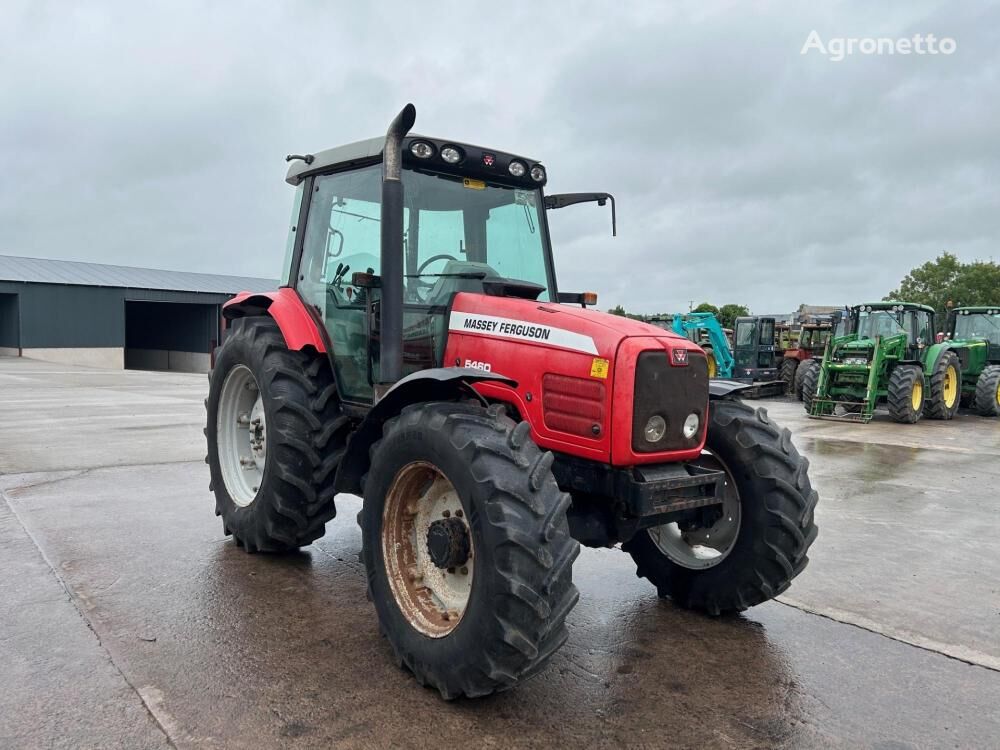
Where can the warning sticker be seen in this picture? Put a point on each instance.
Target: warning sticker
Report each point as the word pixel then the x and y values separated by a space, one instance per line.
pixel 473 184
pixel 599 368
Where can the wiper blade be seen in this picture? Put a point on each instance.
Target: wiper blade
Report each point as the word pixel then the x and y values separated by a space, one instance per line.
pixel 461 275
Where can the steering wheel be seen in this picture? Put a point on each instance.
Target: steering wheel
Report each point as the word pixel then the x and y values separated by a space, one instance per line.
pixel 421 285
pixel 432 259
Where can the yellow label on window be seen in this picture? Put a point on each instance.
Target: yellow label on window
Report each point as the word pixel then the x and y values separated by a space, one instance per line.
pixel 599 368
pixel 474 184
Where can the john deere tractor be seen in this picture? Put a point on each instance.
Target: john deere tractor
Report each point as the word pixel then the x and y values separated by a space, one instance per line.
pixel 419 354
pixel 890 357
pixel 975 331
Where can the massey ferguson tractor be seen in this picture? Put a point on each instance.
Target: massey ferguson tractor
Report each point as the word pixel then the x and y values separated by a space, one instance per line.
pixel 419 354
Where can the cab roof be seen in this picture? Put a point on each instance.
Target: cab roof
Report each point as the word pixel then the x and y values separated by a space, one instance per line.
pixel 893 303
pixel 477 160
pixel 988 309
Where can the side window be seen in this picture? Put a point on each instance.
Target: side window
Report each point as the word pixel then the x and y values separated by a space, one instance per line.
pixel 286 269
pixel 923 327
pixel 766 332
pixel 343 236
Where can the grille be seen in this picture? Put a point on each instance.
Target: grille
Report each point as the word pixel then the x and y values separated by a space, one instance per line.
pixel 671 392
pixel 573 405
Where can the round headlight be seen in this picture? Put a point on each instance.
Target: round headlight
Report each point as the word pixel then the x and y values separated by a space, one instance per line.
pixel 421 150
pixel 537 173
pixel 655 429
pixel 517 168
pixel 451 154
pixel 691 425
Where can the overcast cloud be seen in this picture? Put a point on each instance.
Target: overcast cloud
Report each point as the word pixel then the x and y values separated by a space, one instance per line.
pixel 153 134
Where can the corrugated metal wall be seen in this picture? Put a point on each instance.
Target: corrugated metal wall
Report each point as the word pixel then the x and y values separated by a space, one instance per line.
pixel 63 316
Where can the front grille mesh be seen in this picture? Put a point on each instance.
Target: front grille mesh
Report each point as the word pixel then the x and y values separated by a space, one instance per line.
pixel 671 392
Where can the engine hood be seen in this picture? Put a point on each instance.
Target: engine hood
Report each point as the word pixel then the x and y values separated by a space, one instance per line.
pixel 552 324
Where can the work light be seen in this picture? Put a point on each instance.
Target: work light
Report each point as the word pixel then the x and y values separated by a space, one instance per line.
pixel 517 168
pixel 422 149
pixel 451 154
pixel 537 173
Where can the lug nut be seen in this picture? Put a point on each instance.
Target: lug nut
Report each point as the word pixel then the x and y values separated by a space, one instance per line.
pixel 464 571
pixel 446 514
pixel 458 513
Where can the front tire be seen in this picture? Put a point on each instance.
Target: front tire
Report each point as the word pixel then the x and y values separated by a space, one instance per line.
pixel 275 434
pixel 945 387
pixel 906 394
pixel 760 543
pixel 988 392
pixel 810 381
pixel 789 367
pixel 504 522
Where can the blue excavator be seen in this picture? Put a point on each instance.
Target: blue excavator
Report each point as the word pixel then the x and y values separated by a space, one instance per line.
pixel 699 326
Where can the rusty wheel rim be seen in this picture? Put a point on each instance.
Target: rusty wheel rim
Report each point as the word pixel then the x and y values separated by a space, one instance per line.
pixel 433 599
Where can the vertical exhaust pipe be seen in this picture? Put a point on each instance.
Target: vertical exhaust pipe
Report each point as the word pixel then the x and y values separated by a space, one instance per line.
pixel 391 330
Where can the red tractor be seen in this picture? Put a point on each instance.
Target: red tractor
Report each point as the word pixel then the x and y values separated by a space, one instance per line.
pixel 811 343
pixel 419 354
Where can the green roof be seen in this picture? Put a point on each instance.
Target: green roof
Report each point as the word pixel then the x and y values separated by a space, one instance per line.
pixel 893 303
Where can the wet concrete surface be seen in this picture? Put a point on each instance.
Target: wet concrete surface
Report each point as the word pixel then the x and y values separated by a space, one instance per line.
pixel 130 621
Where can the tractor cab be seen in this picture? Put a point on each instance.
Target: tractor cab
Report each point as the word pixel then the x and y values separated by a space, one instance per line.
pixel 982 323
pixel 473 221
pixel 756 348
pixel 912 324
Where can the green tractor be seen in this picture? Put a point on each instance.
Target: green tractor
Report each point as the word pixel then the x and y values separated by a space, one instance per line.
pixel 890 357
pixel 976 331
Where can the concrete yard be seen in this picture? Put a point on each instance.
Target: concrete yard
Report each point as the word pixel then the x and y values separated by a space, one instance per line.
pixel 130 621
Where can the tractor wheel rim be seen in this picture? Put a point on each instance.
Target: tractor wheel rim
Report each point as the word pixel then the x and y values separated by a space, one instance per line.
pixel 950 386
pixel 433 599
pixel 700 548
pixel 241 436
pixel 917 395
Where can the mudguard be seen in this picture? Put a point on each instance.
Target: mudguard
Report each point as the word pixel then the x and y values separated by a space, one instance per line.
pixel 289 312
pixel 719 388
pixel 932 355
pixel 436 384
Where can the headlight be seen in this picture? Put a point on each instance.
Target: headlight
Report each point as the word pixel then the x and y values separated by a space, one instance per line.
pixel 451 154
pixel 422 149
pixel 655 429
pixel 537 173
pixel 691 425
pixel 517 168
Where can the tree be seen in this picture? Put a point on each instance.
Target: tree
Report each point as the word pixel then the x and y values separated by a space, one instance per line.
pixel 704 307
pixel 729 313
pixel 618 310
pixel 946 282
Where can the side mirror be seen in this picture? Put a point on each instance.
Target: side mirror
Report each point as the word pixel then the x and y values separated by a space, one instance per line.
pixel 561 200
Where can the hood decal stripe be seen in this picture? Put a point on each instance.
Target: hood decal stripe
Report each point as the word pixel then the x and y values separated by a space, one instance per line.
pixel 522 330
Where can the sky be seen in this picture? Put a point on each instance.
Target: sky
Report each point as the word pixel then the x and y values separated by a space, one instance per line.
pixel 154 134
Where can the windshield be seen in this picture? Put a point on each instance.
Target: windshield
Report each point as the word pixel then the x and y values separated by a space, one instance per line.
pixel 467 228
pixel 978 326
pixel 878 323
pixel 745 333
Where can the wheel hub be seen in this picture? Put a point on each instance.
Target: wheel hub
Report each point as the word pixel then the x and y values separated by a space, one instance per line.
pixel 241 436
pixel 448 543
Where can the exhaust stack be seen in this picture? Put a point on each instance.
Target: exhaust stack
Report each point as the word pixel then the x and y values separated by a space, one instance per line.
pixel 391 333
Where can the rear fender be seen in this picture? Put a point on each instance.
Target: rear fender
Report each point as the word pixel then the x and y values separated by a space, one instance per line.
pixel 436 384
pixel 297 326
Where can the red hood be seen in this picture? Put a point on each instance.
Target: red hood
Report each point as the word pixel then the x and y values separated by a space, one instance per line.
pixel 552 324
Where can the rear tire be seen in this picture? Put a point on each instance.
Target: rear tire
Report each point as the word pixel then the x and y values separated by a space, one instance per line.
pixel 945 387
pixel 775 525
pixel 788 369
pixel 906 394
pixel 290 499
pixel 988 392
pixel 513 613
pixel 810 380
